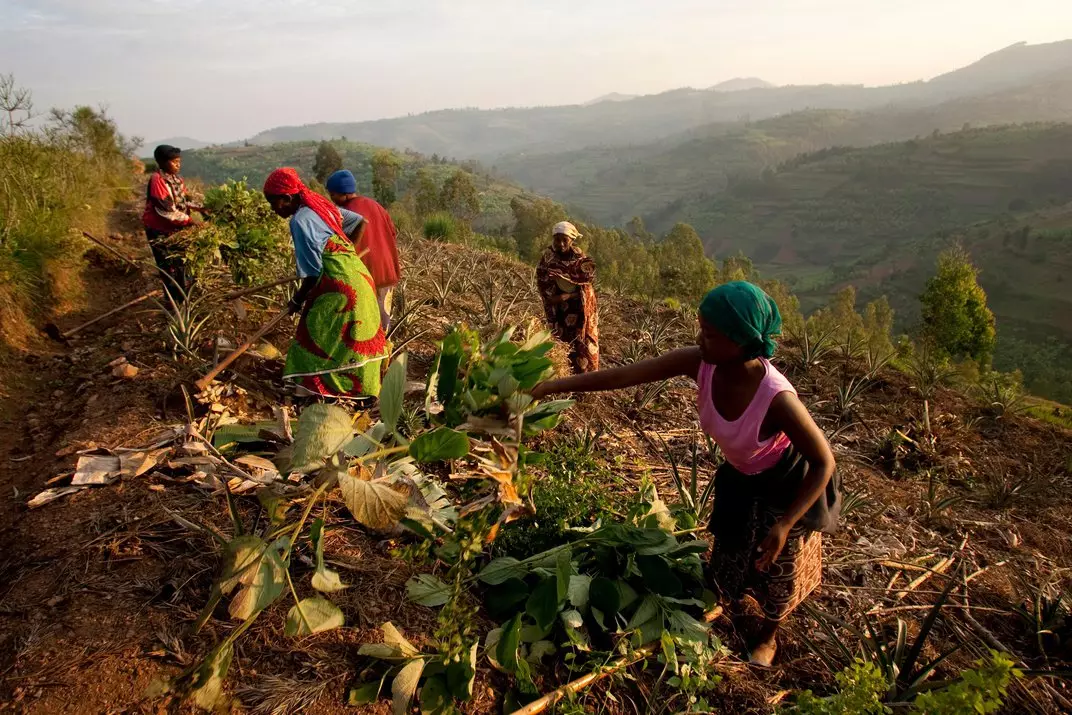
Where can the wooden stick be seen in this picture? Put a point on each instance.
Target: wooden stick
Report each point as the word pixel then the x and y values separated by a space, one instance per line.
pixel 113 311
pixel 247 291
pixel 939 568
pixel 204 381
pixel 576 686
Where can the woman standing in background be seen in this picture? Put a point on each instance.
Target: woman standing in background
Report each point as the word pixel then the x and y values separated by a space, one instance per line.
pixel 376 244
pixel 167 211
pixel 340 346
pixel 565 278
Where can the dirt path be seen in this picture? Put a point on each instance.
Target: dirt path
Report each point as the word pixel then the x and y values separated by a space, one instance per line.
pixel 55 598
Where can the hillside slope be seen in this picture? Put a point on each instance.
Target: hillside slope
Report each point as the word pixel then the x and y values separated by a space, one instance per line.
pixel 876 217
pixel 487 134
pixel 614 183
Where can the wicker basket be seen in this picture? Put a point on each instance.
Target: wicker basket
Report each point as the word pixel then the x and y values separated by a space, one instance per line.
pixel 809 568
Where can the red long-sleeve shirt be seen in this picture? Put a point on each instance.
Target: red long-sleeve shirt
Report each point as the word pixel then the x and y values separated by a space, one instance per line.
pixel 378 240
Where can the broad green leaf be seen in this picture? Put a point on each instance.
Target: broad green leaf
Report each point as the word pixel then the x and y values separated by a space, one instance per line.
pixel 563 572
pixel 262 587
pixel 450 358
pixel 460 676
pixel 427 590
pixel 313 615
pixel 532 633
pixel 366 693
pixel 242 557
pixel 326 580
pixel 274 505
pixel 435 700
pixel 394 638
pixel 322 431
pixel 491 642
pixel 438 445
pixel 669 651
pixel 366 442
pixel 543 604
pixel 543 410
pixel 506 647
pixel 572 619
pixel 392 391
pixel 658 576
pixel 373 503
pixel 206 684
pixel 685 626
pixel 538 650
pixel 502 599
pixel 405 685
pixel 501 569
pixel 698 546
pixel 605 595
pixel 507 386
pixel 381 651
pixel 578 591
pixel 648 609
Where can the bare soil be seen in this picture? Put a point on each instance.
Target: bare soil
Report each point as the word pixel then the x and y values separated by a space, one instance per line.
pixel 98 587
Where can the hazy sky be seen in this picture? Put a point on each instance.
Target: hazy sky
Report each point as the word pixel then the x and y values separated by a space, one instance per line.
pixel 224 69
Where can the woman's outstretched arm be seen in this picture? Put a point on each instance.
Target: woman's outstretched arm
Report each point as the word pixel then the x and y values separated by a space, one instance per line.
pixel 676 363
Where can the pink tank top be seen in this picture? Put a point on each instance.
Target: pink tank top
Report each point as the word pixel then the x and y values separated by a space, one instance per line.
pixel 739 439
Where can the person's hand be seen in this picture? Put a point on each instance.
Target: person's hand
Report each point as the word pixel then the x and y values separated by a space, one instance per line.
pixel 294 306
pixel 772 546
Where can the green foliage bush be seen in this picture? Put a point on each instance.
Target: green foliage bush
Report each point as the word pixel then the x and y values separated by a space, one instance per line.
pixel 243 232
pixel 955 315
pixel 571 491
pixel 861 687
pixel 66 174
pixel 440 227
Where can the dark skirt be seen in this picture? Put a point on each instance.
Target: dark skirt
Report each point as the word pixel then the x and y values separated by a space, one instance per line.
pixel 746 507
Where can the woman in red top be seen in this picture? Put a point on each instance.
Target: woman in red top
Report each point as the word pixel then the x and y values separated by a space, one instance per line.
pixel 167 211
pixel 376 244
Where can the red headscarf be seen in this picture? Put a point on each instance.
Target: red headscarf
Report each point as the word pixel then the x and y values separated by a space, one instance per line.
pixel 286 182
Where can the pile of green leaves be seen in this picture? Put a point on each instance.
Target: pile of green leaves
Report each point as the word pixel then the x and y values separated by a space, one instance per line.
pixel 242 232
pixel 474 405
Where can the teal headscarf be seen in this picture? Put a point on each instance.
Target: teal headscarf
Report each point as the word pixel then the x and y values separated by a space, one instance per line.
pixel 744 314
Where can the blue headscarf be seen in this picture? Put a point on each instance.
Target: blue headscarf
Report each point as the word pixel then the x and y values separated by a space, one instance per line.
pixel 746 315
pixel 342 182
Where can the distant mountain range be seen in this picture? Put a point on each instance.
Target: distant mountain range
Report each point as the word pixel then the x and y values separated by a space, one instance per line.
pixel 490 134
pixel 146 149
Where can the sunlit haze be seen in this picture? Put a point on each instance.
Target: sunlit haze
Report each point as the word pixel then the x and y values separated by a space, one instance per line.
pixel 224 69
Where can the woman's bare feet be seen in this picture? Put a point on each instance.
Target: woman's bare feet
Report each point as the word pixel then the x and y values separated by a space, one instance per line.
pixel 763 653
pixel 766 645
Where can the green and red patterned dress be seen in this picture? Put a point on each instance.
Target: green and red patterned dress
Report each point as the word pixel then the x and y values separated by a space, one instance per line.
pixel 340 347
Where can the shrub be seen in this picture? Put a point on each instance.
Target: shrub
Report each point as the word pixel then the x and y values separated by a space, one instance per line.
pixel 440 227
pixel 572 492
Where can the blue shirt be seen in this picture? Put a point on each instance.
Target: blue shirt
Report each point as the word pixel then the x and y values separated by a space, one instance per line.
pixel 310 234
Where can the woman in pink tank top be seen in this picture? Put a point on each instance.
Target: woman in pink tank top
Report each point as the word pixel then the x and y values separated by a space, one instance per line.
pixel 777 490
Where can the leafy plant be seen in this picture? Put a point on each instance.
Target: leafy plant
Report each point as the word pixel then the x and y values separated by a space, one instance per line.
pixel 1045 610
pixel 933 503
pixel 1003 394
pixel 697 503
pixel 184 322
pixel 899 661
pixel 377 474
pixel 853 501
pixel 848 395
pixel 815 342
pixel 440 227
pixel 929 369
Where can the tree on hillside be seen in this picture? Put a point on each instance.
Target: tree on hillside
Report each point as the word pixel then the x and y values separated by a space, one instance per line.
pixel 385 170
pixel 685 272
pixel 327 162
pixel 460 198
pixel 638 230
pixel 878 329
pixel 425 194
pixel 955 315
pixel 533 220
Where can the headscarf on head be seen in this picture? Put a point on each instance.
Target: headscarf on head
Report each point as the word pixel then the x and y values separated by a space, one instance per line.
pixel 286 182
pixel 746 315
pixel 165 153
pixel 567 229
pixel 341 182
